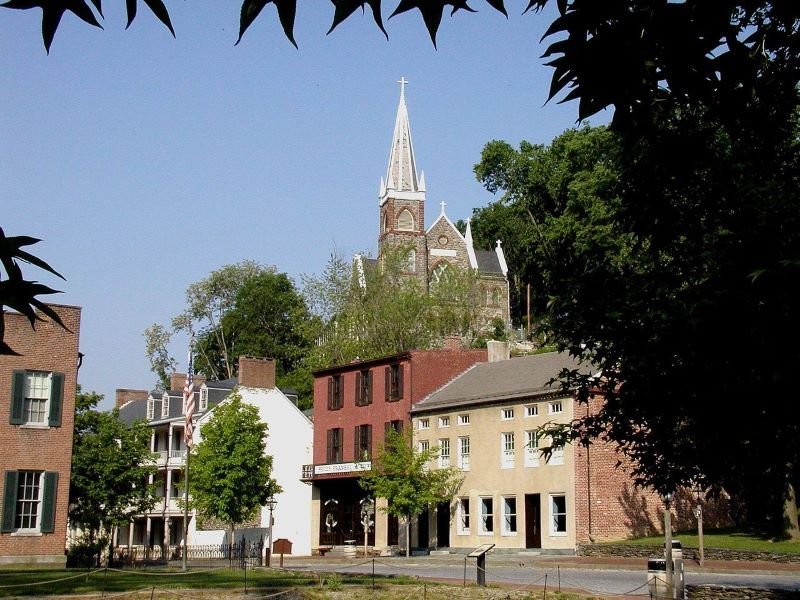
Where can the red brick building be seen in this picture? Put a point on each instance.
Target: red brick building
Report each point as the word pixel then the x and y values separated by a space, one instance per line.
pixel 354 405
pixel 36 423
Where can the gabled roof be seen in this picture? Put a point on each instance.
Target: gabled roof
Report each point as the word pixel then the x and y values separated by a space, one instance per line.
pixel 137 409
pixel 488 262
pixel 499 381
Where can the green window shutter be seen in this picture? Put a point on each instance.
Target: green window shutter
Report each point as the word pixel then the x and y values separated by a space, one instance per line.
pixel 400 392
pixel 388 382
pixel 17 397
pixel 359 389
pixel 56 399
pixel 368 385
pixel 9 502
pixel 49 502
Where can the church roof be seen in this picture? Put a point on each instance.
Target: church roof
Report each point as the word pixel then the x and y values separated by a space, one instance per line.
pixel 488 262
pixel 401 173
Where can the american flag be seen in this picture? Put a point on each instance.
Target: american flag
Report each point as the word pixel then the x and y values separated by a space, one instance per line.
pixel 188 403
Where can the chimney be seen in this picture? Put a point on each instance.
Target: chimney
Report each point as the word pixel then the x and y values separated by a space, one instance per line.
pixel 497 350
pixel 256 372
pixel 178 380
pixel 123 396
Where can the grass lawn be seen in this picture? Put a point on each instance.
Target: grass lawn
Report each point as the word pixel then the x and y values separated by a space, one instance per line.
pixel 730 539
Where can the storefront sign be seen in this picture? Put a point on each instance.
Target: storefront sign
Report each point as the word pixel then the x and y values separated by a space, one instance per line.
pixel 342 468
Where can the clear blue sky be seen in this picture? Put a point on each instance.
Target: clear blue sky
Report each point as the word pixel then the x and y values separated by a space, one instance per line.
pixel 145 162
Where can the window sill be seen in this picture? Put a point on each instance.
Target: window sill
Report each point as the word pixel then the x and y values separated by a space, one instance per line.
pixel 509 534
pixel 26 534
pixel 558 534
pixel 34 426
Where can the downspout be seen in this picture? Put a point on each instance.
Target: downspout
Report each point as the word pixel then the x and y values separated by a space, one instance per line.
pixel 589 484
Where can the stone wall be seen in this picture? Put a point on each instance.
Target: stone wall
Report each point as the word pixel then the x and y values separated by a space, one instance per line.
pixel 637 551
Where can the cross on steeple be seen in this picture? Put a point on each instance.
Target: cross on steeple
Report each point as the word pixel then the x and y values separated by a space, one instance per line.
pixel 444 204
pixel 403 82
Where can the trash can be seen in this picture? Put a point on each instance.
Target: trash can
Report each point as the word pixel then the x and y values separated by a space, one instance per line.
pixel 657 577
pixel 349 548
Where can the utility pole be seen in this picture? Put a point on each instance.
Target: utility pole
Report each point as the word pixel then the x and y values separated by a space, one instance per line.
pixel 668 543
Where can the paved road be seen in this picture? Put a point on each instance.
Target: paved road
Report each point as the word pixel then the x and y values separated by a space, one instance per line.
pixel 593 579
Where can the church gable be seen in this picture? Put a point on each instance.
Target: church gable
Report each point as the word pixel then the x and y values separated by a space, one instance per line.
pixel 445 243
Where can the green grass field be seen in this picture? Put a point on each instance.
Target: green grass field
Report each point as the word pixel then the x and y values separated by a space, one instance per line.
pixel 730 539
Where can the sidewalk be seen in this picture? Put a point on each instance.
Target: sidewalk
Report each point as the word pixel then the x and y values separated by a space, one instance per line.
pixel 562 561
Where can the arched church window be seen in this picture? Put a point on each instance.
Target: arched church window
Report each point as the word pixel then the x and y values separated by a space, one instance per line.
pixel 411 261
pixel 383 221
pixel 405 221
pixel 496 296
pixel 441 273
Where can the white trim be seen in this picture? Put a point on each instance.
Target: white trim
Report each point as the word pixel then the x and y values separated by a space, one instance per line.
pixel 443 252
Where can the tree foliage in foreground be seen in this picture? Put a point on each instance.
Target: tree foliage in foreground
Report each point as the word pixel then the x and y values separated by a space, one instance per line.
pixel 230 473
pixel 111 463
pixel 402 476
pixel 381 309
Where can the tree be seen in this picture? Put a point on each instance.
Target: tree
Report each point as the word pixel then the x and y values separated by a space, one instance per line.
pixel 229 470
pixel 662 309
pixel 377 309
pixel 402 475
pixel 111 463
pixel 161 363
pixel 18 293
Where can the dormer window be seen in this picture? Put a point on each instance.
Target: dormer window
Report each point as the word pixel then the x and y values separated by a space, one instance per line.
pixel 164 406
pixel 151 408
pixel 203 398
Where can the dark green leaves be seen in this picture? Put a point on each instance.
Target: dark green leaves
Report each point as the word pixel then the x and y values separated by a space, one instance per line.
pixel 15 291
pixel 431 11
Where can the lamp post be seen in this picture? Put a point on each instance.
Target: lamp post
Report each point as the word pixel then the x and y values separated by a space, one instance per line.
pixel 668 542
pixel 271 504
pixel 698 513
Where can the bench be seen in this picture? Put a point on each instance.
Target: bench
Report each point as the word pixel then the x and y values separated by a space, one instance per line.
pixel 323 549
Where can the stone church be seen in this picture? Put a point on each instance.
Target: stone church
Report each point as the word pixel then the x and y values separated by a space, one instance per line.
pixel 441 246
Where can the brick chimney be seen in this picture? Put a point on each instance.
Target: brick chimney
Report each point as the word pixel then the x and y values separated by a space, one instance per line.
pixel 178 380
pixel 123 396
pixel 256 372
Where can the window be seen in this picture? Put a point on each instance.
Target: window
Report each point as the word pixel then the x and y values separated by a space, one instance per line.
pixel 29 502
pixel 335 386
pixel 424 446
pixel 411 261
pixel 463 453
pixel 463 516
pixel 363 442
pixel 405 220
pixel 487 515
pixel 164 406
pixel 463 419
pixel 394 382
pixel 558 514
pixel 444 453
pixel 364 387
pixel 496 296
pixel 444 421
pixel 555 407
pixel 531 449
pixel 509 515
pixel 441 274
pixel 424 423
pixel 507 450
pixel 396 426
pixel 203 398
pixel 532 410
pixel 556 456
pixel 335 445
pixel 506 414
pixel 36 398
pixel 151 408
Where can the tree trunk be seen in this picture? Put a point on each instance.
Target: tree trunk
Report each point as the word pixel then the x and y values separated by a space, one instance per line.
pixel 231 532
pixel 790 525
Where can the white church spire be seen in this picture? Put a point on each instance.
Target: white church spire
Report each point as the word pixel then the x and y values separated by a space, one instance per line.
pixel 401 174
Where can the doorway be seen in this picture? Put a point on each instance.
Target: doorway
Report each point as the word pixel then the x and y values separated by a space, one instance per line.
pixel 443 525
pixel 533 521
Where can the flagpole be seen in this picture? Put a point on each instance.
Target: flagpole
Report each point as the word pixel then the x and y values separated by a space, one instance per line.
pixel 188 406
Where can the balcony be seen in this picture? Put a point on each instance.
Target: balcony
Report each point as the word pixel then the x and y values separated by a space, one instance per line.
pixel 308 473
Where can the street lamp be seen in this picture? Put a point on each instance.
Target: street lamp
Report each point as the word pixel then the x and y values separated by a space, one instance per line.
pixel 698 513
pixel 668 542
pixel 271 504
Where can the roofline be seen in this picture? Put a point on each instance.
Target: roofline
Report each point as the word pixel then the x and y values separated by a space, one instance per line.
pixel 484 400
pixel 363 363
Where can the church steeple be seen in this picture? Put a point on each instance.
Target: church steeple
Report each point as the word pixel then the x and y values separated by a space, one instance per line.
pixel 401 180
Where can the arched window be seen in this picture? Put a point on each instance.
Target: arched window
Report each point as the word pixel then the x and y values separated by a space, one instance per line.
pixel 441 273
pixel 383 221
pixel 405 220
pixel 496 296
pixel 411 261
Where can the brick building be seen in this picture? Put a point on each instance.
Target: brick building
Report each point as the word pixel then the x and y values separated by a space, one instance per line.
pixel 485 422
pixel 441 247
pixel 36 428
pixel 354 405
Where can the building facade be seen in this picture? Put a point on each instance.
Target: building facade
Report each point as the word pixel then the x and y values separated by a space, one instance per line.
pixel 354 406
pixel 440 248
pixel 486 423
pixel 160 531
pixel 36 426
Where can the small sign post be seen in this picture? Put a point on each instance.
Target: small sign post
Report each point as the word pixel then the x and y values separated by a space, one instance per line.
pixel 282 546
pixel 480 554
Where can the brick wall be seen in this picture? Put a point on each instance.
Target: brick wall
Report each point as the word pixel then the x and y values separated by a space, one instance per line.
pixel 47 348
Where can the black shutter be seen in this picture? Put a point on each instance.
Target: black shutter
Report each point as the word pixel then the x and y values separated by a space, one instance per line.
pixel 56 399
pixel 400 393
pixel 17 397
pixel 388 382
pixel 357 443
pixel 330 446
pixel 369 440
pixel 9 501
pixel 359 389
pixel 368 387
pixel 49 502
pixel 330 393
